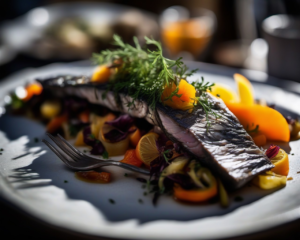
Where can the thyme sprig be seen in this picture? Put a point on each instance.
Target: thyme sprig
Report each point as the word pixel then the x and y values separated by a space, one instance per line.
pixel 144 73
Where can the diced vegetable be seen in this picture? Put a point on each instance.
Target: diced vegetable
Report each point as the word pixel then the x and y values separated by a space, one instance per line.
pixel 33 89
pixel 269 180
pixel 79 141
pixel 56 122
pixel 84 116
pixel 135 137
pixel 116 148
pixel 259 139
pixel 50 109
pixel 131 158
pixel 101 74
pixel 271 123
pixel 183 100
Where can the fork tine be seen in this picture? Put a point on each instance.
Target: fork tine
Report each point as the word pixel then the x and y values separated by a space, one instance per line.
pixel 69 145
pixel 82 155
pixel 62 146
pixel 57 153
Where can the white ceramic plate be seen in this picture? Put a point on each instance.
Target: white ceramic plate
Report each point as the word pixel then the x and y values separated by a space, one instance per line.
pixel 33 179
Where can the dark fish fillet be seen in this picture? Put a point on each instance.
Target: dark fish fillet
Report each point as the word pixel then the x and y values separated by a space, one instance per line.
pixel 224 146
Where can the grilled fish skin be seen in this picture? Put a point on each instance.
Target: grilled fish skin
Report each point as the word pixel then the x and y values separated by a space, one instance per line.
pixel 225 146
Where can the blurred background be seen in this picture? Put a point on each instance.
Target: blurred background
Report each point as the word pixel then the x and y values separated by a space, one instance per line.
pixel 262 35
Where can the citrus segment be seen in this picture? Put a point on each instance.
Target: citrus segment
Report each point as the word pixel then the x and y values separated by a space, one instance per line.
pixel 244 89
pixel 223 92
pixel 146 149
pixel 281 162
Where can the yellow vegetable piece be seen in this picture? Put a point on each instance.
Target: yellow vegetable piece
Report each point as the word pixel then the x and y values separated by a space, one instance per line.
pixel 146 149
pixel 116 148
pixel 101 74
pixel 269 180
pixel 79 139
pixel 281 162
pixel 245 89
pixel 223 92
pixel 50 109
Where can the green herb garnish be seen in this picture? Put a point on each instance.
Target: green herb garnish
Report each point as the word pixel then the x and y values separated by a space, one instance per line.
pixel 35 140
pixel 111 201
pixel 143 74
pixel 105 155
pixel 65 181
pixel 140 201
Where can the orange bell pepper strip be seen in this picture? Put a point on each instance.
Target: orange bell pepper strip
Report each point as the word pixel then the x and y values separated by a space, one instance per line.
pixel 198 195
pixel 84 116
pixel 271 123
pixel 131 158
pixel 135 137
pixel 55 123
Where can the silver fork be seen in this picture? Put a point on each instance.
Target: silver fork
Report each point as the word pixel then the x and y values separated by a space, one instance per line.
pixel 77 160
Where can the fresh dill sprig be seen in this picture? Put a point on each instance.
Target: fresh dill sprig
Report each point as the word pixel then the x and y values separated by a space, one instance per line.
pixel 144 73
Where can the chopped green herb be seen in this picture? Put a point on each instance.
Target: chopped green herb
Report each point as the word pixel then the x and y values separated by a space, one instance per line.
pixel 292 154
pixel 111 201
pixel 0 153
pixel 35 140
pixel 218 95
pixel 238 199
pixel 65 181
pixel 73 130
pixel 140 201
pixel 105 155
pixel 126 175
pixel 143 186
pixel 1 149
pixel 84 151
pixel 145 193
pixel 92 136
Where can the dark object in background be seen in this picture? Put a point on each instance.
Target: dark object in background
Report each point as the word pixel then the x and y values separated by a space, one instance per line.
pixel 282 33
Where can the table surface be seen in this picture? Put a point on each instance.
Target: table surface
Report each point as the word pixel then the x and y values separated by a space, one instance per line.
pixel 18 224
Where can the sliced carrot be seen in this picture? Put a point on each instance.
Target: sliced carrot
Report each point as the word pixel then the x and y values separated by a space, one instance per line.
pixel 84 116
pixel 259 139
pixel 198 195
pixel 33 89
pixel 185 96
pixel 271 123
pixel 56 122
pixel 135 137
pixel 131 158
